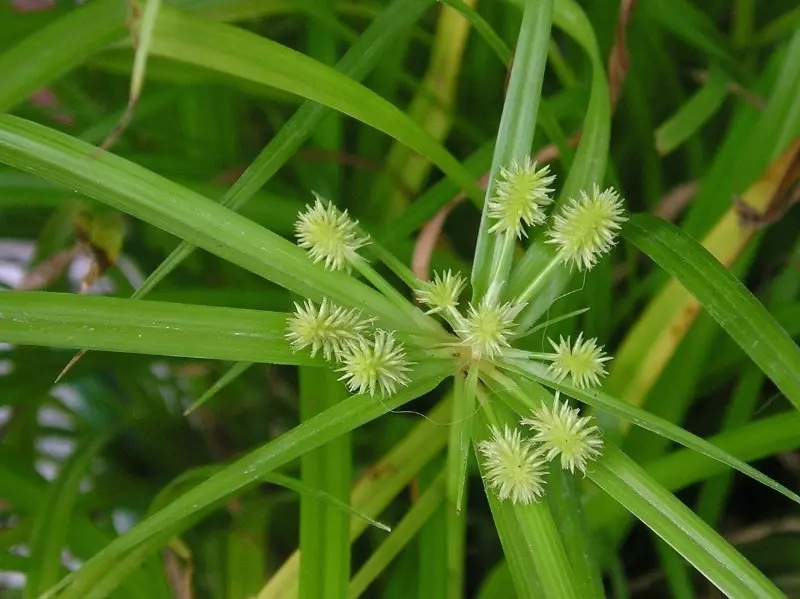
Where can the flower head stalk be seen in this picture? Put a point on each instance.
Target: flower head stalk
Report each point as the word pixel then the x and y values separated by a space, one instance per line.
pixel 375 366
pixel 561 430
pixel 587 227
pixel 514 469
pixel 583 361
pixel 327 327
pixel 329 235
pixel 520 195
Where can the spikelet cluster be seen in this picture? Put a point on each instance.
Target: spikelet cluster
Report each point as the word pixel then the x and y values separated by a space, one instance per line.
pixel 583 230
pixel 521 194
pixel 330 236
pixel 370 360
pixel 515 467
pixel 587 227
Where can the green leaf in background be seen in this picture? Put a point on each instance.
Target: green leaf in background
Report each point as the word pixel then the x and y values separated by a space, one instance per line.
pixel 724 297
pixel 160 328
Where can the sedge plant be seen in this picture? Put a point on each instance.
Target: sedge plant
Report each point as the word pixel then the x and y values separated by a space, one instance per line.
pixel 526 412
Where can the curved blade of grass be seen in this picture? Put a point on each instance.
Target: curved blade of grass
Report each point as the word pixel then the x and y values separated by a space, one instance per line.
pixel 684 467
pixel 723 296
pixel 244 55
pixel 589 163
pixel 344 417
pixel 378 487
pixel 649 347
pixel 693 114
pixel 359 60
pixel 402 534
pixel 189 479
pixel 144 35
pixel 404 171
pixel 160 202
pixel 57 48
pixel 303 489
pixel 602 401
pixel 682 529
pixel 696 28
pixel 114 324
pixel 52 522
pixel 232 374
pixel 484 29
pixel 493 253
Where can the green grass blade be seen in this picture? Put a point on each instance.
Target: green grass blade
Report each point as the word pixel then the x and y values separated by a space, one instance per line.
pixel 57 48
pixel 484 29
pixel 114 324
pixel 244 55
pixel 319 495
pixel 233 373
pixel 681 528
pixel 401 536
pixel 52 522
pixel 723 296
pixel 342 418
pixel 359 60
pixel 324 538
pixel 514 136
pixel 198 220
pixel 589 163
pixel 693 114
pixel 685 467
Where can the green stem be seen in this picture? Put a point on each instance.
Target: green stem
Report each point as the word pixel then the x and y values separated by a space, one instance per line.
pixel 539 281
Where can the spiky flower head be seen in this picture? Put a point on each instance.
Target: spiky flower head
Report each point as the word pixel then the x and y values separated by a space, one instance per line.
pixel 375 365
pixel 520 195
pixel 583 361
pixel 441 294
pixel 515 469
pixel 587 227
pixel 487 327
pixel 329 235
pixel 562 430
pixel 327 327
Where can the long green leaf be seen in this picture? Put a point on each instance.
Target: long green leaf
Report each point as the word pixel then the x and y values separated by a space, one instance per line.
pixel 159 328
pixel 681 528
pixel 724 297
pixel 53 518
pixel 493 253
